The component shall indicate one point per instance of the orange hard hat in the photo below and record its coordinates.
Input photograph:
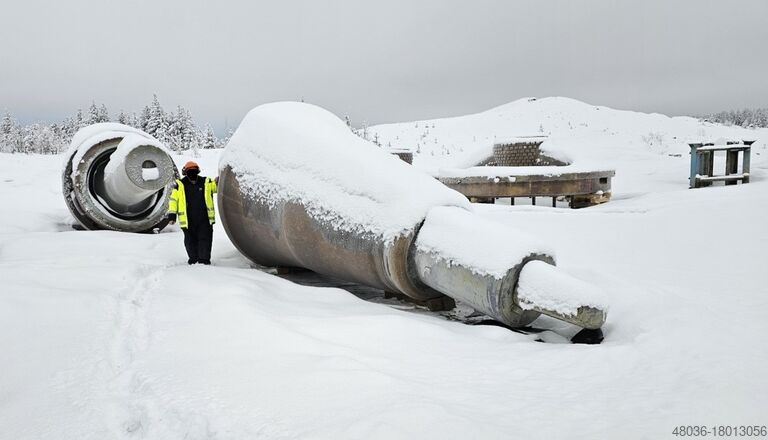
(189, 165)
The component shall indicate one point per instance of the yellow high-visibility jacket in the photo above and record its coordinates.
(178, 202)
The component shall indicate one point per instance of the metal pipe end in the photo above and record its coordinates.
(149, 167)
(546, 289)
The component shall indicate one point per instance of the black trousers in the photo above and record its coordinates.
(198, 240)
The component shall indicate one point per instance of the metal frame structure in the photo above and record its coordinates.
(703, 163)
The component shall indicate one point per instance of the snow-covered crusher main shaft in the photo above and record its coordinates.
(116, 177)
(298, 189)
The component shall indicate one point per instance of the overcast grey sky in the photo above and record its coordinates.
(384, 60)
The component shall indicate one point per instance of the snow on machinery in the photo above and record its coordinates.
(298, 189)
(519, 167)
(116, 177)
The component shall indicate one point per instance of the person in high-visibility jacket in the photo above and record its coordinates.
(191, 204)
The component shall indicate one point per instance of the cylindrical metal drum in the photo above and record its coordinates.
(296, 189)
(286, 235)
(116, 177)
(493, 296)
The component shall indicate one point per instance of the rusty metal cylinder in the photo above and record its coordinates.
(506, 274)
(495, 297)
(117, 177)
(287, 235)
(297, 189)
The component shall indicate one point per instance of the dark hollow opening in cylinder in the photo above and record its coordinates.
(96, 186)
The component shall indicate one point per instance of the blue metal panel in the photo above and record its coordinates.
(694, 164)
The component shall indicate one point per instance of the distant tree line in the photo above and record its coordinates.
(744, 118)
(176, 129)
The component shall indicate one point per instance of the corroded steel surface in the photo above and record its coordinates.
(286, 235)
(492, 296)
(566, 184)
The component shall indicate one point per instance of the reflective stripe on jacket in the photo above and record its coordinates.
(178, 202)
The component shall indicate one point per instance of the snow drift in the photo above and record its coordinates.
(590, 136)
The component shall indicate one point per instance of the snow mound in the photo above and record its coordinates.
(542, 285)
(296, 152)
(462, 237)
(630, 142)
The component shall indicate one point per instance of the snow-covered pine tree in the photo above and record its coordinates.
(8, 134)
(133, 120)
(27, 139)
(93, 114)
(181, 130)
(762, 117)
(157, 121)
(174, 132)
(227, 137)
(745, 118)
(43, 140)
(187, 129)
(55, 137)
(67, 128)
(122, 118)
(143, 119)
(79, 121)
(6, 124)
(58, 138)
(209, 138)
(103, 113)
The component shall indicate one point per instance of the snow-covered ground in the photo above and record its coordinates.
(112, 335)
(648, 151)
